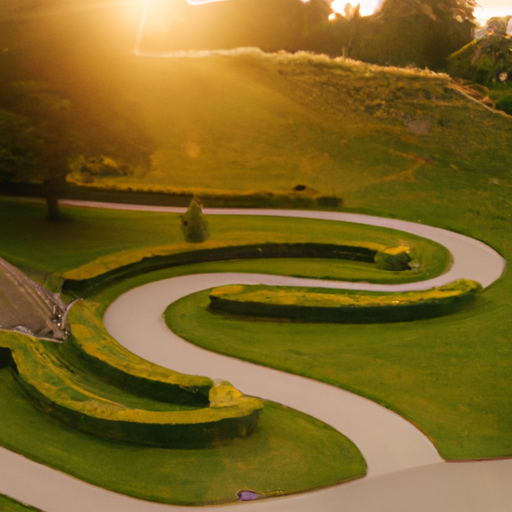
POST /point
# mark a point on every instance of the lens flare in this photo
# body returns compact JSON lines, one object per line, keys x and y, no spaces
{"x":162,"y":19}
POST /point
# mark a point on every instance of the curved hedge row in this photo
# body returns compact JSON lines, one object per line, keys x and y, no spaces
{"x":344,"y":306}
{"x":77,"y":399}
{"x":93,"y":344}
{"x":108,"y":270}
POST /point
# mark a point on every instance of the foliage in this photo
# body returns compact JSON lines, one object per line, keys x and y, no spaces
{"x":22,"y":149}
{"x":50,"y":114}
{"x":486,"y":61}
{"x":94,"y":241}
{"x":459,"y":10}
{"x":505,"y":103}
{"x":84,"y":170}
{"x":193,"y":223}
{"x":301,"y":304}
{"x":68,"y":112}
{"x":403,"y":32}
{"x":285,"y":438}
{"x":415,"y":32}
{"x":494,"y":26}
{"x":394,"y":258}
{"x":74,"y":383}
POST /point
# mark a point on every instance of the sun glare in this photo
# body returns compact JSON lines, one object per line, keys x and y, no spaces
{"x":367,"y":6}
{"x":156,"y":15}
{"x":486,"y":8}
{"x":491,"y":9}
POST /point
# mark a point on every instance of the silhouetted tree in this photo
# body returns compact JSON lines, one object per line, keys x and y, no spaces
{"x":22,"y":150}
{"x":49,"y":115}
{"x":419,"y":32}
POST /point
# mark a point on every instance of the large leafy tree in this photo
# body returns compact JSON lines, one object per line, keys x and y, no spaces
{"x":63,"y":94}
{"x":22,"y":150}
{"x":436,"y":10}
{"x":417,"y":32}
{"x":49,"y":116}
{"x":42,"y":131}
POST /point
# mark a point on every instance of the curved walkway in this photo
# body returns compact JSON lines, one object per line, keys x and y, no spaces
{"x":472,"y":259}
{"x":405,"y":471}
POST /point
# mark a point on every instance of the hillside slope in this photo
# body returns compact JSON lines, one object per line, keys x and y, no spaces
{"x":245,"y":119}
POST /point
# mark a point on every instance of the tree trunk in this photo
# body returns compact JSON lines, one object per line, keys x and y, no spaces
{"x":54,"y":184}
{"x":51,"y":193}
{"x":52,"y":200}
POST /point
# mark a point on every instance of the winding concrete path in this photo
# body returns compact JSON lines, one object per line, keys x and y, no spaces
{"x":405,"y":471}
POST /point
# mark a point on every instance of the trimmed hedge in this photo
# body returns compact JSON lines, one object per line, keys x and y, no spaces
{"x":69,"y":396}
{"x":99,"y":351}
{"x":343,"y":306}
{"x":393,"y":258}
{"x":297,"y":198}
{"x":106,"y":271}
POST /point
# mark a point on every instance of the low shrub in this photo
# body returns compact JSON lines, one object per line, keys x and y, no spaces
{"x":393,"y":258}
{"x":117,"y":365}
{"x":505,"y":104}
{"x":193,"y":224}
{"x":343,"y":306}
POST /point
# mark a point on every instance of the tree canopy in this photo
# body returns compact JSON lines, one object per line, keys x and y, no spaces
{"x":42,"y":130}
{"x":436,"y":10}
{"x":415,"y":32}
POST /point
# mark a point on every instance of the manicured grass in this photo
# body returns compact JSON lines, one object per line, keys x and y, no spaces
{"x":9,"y":505}
{"x":482,"y":439}
{"x":309,"y":121}
{"x":88,"y":234}
{"x":450,"y":375}
{"x":283,"y":439}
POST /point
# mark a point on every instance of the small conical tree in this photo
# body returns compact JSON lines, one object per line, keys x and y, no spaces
{"x":193,"y":223}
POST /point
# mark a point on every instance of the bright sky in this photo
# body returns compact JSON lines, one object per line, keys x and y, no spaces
{"x":487,"y":9}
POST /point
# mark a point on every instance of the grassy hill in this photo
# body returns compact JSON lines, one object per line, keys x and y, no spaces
{"x":247,"y":121}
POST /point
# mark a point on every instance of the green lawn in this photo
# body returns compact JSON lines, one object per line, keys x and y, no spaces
{"x":88,"y":234}
{"x":440,"y":374}
{"x":282,"y":439}
{"x":451,"y":376}
{"x":9,"y":505}
{"x":253,"y":122}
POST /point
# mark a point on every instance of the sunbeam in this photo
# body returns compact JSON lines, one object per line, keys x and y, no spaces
{"x":166,"y":24}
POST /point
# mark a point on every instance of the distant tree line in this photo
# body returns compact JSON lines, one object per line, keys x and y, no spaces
{"x":402,"y":32}
{"x":415,"y":32}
